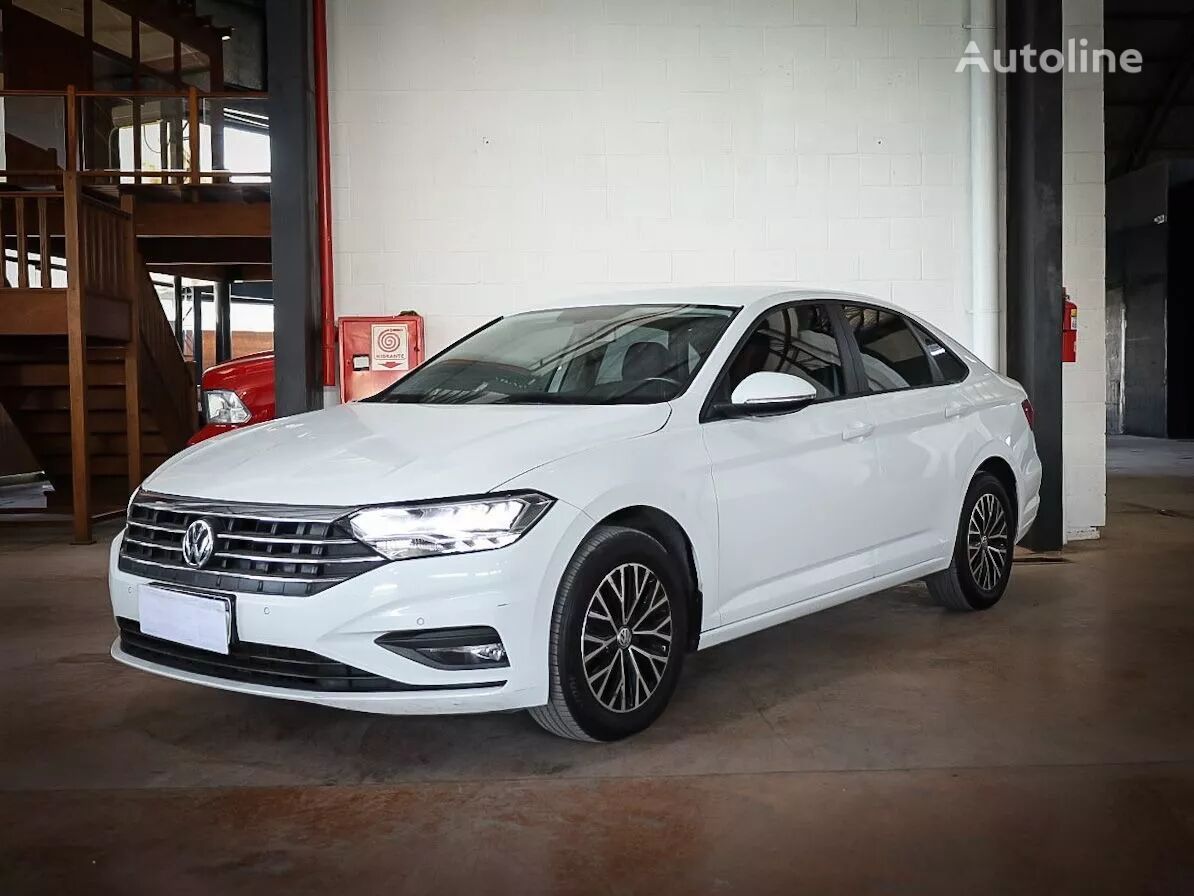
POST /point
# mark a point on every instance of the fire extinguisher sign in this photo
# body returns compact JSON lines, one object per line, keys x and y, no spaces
{"x":390,"y":349}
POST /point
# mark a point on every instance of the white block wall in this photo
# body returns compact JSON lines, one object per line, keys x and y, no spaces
{"x":1084,"y":272}
{"x":490,"y":155}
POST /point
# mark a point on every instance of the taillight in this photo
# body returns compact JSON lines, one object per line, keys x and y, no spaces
{"x":1029,"y":413}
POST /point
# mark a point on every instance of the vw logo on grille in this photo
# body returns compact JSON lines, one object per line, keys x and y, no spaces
{"x":198,"y":543}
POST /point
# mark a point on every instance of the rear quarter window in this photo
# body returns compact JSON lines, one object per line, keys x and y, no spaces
{"x":953,"y":369}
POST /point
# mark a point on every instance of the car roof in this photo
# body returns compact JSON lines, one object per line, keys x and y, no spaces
{"x":747,"y":297}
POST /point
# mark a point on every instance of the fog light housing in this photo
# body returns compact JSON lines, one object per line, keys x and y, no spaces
{"x":478,"y":647}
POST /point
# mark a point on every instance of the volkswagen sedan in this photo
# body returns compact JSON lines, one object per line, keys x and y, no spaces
{"x":555,"y":510}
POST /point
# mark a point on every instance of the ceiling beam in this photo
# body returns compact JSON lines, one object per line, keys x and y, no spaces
{"x":202,"y":219}
{"x":221,"y":250}
{"x":215,"y":273}
{"x":1147,"y":135}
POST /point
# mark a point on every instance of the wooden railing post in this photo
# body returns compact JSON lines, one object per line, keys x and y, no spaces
{"x":72,"y":131}
{"x":43,"y":243}
{"x":3,"y":252}
{"x":132,"y":353}
{"x":137,"y":138}
{"x":22,"y":246}
{"x":76,"y":336}
{"x":193,"y":125}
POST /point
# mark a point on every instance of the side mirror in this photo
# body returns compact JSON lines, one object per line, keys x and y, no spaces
{"x":769,"y":393}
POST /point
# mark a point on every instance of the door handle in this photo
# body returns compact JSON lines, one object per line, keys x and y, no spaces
{"x":856,"y":432}
{"x":955,"y":409}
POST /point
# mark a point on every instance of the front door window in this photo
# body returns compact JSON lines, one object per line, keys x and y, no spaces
{"x":797,"y":340}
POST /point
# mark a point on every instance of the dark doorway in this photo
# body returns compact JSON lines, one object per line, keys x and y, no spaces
{"x":1179,"y":334}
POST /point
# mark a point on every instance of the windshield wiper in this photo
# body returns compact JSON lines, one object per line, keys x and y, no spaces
{"x":395,"y":398}
{"x":541,"y":398}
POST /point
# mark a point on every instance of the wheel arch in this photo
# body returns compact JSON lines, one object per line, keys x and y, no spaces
{"x":663,"y":527}
{"x":998,"y":466}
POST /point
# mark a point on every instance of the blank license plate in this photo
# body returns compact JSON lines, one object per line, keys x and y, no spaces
{"x":191,"y":619}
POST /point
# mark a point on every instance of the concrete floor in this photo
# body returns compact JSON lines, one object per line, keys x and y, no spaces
{"x":881,"y":747}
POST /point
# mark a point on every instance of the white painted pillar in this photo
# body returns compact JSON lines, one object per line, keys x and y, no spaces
{"x":984,"y":189}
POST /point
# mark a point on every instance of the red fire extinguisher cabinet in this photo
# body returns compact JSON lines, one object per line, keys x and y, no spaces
{"x":377,"y":351}
{"x":1069,"y":329}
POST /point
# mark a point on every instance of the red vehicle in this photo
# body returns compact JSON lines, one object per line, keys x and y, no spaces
{"x":237,"y":393}
{"x":374,"y":351}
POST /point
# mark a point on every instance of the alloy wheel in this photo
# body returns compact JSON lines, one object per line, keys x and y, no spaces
{"x":987,"y":547}
{"x":626,"y":637}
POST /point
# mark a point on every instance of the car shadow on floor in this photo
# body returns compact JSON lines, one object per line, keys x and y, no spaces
{"x":728,"y":714}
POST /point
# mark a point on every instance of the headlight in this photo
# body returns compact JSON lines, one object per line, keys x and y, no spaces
{"x":404,"y":531}
{"x":224,"y":406}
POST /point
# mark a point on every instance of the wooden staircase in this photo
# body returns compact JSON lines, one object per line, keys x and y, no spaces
{"x":90,"y":370}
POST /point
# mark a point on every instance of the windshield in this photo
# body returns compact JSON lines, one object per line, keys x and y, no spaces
{"x":612,"y":354}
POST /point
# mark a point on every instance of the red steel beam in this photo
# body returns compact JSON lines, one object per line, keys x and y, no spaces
{"x":324,"y":186}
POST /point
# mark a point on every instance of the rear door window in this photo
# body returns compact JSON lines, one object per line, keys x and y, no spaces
{"x":892,"y":355}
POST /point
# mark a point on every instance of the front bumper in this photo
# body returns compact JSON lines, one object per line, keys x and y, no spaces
{"x":511,"y":589}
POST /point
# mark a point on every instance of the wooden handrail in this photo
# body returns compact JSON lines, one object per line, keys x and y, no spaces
{"x":108,"y":209}
{"x":56,"y":173}
{"x":145,"y":94}
{"x":31,"y":172}
{"x":194,"y":173}
{"x":30,"y":194}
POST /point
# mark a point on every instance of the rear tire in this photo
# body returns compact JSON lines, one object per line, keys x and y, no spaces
{"x":982,"y":559}
{"x":618,"y":633}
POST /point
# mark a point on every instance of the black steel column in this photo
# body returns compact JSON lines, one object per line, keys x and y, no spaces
{"x":197,"y":325}
{"x":223,"y":321}
{"x":1034,"y":287}
{"x":293,"y":206}
{"x":178,"y":311}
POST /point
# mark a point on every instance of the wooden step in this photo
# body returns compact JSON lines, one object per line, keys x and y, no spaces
{"x":99,"y":398}
{"x":27,"y":375}
{"x":42,"y":312}
{"x":54,"y":445}
{"x":105,"y":353}
{"x":39,"y":423}
{"x":101,"y":465}
{"x":57,"y":398}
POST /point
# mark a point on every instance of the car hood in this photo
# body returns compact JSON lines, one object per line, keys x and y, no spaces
{"x":374,"y":453}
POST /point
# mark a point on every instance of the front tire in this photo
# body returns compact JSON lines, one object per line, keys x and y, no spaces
{"x":982,"y":560}
{"x":618,"y":634}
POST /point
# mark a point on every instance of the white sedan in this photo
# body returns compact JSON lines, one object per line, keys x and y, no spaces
{"x":552,"y":512}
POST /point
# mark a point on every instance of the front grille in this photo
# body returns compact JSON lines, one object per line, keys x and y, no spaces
{"x":280,"y":667}
{"x":259,"y":549}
